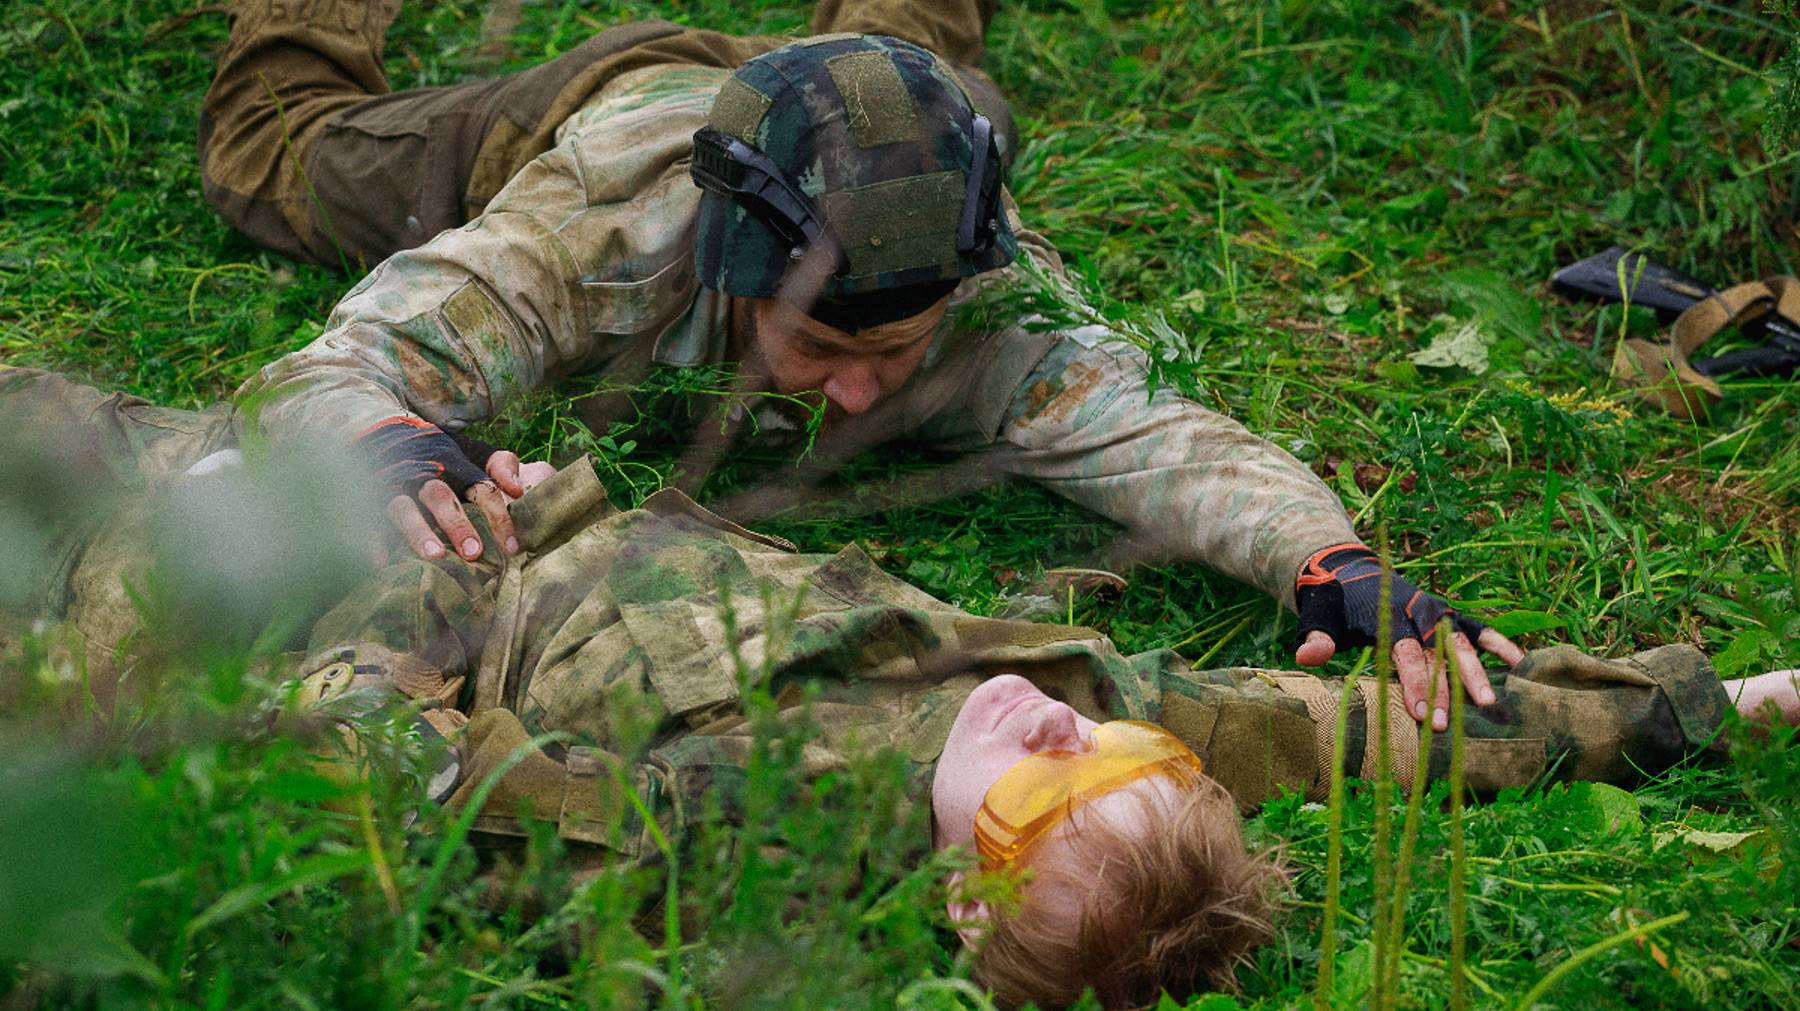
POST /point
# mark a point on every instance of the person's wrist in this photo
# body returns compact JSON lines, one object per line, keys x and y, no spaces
{"x":409,"y":452}
{"x":1313,"y":571}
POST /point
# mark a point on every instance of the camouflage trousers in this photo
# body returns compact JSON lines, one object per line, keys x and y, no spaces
{"x":607,"y":603}
{"x":304,"y":148}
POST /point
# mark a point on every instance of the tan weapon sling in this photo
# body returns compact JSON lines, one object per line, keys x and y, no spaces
{"x":1661,"y":373}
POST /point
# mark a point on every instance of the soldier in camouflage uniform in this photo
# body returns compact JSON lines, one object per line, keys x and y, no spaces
{"x":848,"y":208}
{"x":601,"y":603}
{"x":635,"y":633}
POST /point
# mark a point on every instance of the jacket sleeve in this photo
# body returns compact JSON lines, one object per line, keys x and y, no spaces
{"x":587,"y":249}
{"x":1185,"y":482}
{"x":1078,"y":415}
{"x":1559,"y":713}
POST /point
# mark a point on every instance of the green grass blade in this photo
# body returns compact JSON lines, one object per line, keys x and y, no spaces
{"x":1334,"y":852}
{"x":1589,"y":953}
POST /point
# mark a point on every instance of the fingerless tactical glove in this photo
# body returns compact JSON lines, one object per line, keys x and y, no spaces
{"x":409,"y":452}
{"x":1339,"y":593}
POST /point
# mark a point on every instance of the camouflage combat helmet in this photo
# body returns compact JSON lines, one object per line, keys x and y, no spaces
{"x":861,"y":149}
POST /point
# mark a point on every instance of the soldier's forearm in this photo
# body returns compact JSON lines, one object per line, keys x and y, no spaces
{"x":329,"y":389}
{"x":1189,"y":482}
{"x":1559,"y":711}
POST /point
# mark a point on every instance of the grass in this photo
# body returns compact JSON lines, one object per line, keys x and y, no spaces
{"x":1306,"y":195}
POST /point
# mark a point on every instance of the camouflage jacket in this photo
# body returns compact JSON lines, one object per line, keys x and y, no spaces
{"x":636,"y":633}
{"x":584,"y":262}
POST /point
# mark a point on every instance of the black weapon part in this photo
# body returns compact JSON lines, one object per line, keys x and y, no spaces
{"x":1620,"y":275}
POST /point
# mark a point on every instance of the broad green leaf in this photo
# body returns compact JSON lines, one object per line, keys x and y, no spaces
{"x":1401,"y":373}
{"x":1350,"y":981}
{"x":1461,"y":344}
{"x":1704,"y":846}
{"x":1614,"y":809}
{"x":1429,"y":201}
{"x":1495,"y":299}
{"x":83,"y":944}
{"x":1719,"y":842}
{"x":1749,"y":647}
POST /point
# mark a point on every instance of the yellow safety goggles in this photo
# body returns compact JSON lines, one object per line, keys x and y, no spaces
{"x":1042,"y":789}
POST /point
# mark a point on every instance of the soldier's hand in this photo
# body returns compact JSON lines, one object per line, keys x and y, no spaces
{"x":1338,"y":596}
{"x":434,"y":472}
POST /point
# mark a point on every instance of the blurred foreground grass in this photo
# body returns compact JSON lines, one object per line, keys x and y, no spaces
{"x":1306,"y":195}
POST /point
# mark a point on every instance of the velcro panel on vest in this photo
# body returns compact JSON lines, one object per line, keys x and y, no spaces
{"x":975,"y":634}
{"x":879,"y":107}
{"x":532,"y":788}
{"x":897,"y":225}
{"x":1322,"y":699}
{"x":581,"y":797}
{"x":594,"y":811}
{"x":1249,"y":747}
{"x":1257,"y":748}
{"x":1189,"y":719}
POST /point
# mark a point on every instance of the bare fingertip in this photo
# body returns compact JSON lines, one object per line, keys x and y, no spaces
{"x":512,"y":545}
{"x":1419,"y":710}
{"x":471,"y":547}
{"x":433,"y":549}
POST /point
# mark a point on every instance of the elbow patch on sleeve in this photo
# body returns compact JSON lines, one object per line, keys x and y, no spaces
{"x":475,"y":319}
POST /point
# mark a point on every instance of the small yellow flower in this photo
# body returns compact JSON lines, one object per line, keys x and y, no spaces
{"x":1599,"y":412}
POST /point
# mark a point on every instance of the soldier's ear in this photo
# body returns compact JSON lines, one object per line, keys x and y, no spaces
{"x":971,"y":917}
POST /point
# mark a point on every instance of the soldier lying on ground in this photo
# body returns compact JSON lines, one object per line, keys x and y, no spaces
{"x":820,"y":215}
{"x":611,"y":619}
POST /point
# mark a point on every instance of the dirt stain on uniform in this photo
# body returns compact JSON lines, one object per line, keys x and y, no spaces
{"x":1059,"y":399}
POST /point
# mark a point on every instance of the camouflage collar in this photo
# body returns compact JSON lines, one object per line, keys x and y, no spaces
{"x":702,"y":337}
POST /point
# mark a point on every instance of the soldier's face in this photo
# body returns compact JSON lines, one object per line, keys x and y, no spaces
{"x":853,"y":371}
{"x":1003,"y":721}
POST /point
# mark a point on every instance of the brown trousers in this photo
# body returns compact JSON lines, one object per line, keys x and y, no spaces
{"x":304,"y":149}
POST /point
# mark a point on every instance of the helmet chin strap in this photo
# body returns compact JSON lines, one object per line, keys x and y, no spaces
{"x":978,"y":197}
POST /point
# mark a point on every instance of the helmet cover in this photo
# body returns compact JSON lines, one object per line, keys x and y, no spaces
{"x":847,"y":166}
